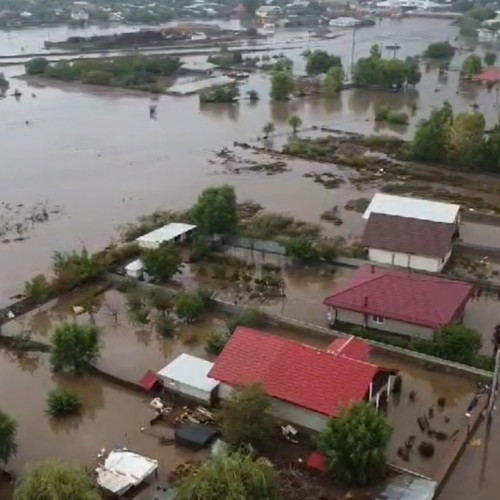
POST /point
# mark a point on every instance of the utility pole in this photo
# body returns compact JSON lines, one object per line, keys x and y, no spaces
{"x":352,"y":50}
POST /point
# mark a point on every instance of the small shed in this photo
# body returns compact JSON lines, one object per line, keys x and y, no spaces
{"x":195,"y":436}
{"x":123,"y":470}
{"x":175,"y":232}
{"x":188,"y":375}
{"x":135,"y":269}
{"x":150,"y":381}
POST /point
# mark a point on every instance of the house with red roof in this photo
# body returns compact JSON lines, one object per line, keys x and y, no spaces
{"x":398,"y":301}
{"x":307,"y":385}
{"x":410,"y":232}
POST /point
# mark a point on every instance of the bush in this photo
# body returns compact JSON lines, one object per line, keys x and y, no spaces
{"x":74,"y":347}
{"x":189,"y":307}
{"x":381,"y":113}
{"x":216,"y":340}
{"x":163,"y":262}
{"x":439,"y":50}
{"x":62,"y":403}
{"x":74,"y":268}
{"x":249,"y":318}
{"x":36,"y":66}
{"x":301,"y":249}
{"x":21,"y":341}
{"x":38,"y":289}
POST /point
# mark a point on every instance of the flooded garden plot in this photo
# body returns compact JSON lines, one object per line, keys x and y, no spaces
{"x":111,"y":417}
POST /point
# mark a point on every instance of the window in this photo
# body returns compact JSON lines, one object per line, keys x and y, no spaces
{"x":378,"y":319}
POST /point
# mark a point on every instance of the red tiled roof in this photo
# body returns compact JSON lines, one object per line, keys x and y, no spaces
{"x":408,"y":235}
{"x":403,"y":296}
{"x":149,"y":380}
{"x":298,"y":374}
{"x":351,"y":347}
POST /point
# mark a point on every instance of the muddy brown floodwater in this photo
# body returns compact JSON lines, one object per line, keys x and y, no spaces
{"x":98,"y":156}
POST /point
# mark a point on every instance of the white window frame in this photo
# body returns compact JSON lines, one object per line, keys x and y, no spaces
{"x":378,"y":319}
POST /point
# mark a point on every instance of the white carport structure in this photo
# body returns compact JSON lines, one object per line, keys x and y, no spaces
{"x":173,"y":232}
{"x":188,"y":375}
{"x":123,"y":470}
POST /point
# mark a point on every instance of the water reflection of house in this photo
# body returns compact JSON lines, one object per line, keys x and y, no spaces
{"x":398,"y":301}
{"x":307,"y":385}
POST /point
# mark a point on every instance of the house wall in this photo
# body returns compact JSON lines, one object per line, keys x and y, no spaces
{"x":389,"y":325}
{"x":430,"y":264}
{"x":286,"y":411}
{"x":187,"y":390}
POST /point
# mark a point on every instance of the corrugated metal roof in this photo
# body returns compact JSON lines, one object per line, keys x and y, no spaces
{"x":166,"y":233}
{"x":407,"y":487}
{"x":412,"y":207}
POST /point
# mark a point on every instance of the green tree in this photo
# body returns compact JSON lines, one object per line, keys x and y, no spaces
{"x":457,"y":343}
{"x":245,"y":418}
{"x":468,"y":25}
{"x":51,"y":480}
{"x":465,"y":141}
{"x":62,"y":403}
{"x":97,"y":77}
{"x":251,"y":6}
{"x":282,"y":85}
{"x":38,"y":289}
{"x":189,"y":307}
{"x":490,"y":58}
{"x":163,"y":262}
{"x":430,"y":142}
{"x":320,"y":61}
{"x":439,"y":50}
{"x":267,"y":129}
{"x":355,"y":444}
{"x":471,"y":66}
{"x":74,"y":347}
{"x":215,"y":212}
{"x":36,"y":66}
{"x":333,"y":81}
{"x":481,"y":13}
{"x":229,"y":477}
{"x":8,"y":433}
{"x":295,"y":123}
{"x":75,"y":268}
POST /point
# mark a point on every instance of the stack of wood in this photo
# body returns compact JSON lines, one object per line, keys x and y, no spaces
{"x":184,"y":414}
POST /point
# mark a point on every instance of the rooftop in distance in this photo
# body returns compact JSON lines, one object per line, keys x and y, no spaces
{"x":413,"y":208}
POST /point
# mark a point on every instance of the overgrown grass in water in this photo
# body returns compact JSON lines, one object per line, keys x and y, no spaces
{"x":273,"y":226}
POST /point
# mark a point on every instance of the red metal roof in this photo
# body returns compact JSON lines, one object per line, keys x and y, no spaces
{"x":408,"y":235}
{"x":351,"y":347}
{"x":403,"y":296}
{"x":149,"y":380}
{"x":301,"y":375}
{"x":489,"y":75}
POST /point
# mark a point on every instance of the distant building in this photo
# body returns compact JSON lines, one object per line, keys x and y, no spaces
{"x":268,"y":12}
{"x":307,"y":385}
{"x":410,"y":232}
{"x":79,"y":15}
{"x":398,"y":301}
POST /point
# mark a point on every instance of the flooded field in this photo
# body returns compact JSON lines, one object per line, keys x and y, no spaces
{"x":97,"y":156}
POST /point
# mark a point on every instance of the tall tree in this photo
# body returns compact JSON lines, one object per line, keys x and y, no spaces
{"x":163,"y":262}
{"x":55,"y":481}
{"x":8,"y":432}
{"x":282,"y":85}
{"x":74,"y":347}
{"x":471,"y":66}
{"x":490,"y":58}
{"x":465,"y":140}
{"x":245,"y":419}
{"x":431,"y":139}
{"x":215,"y":212}
{"x":333,"y":81}
{"x":320,"y":61}
{"x":355,"y":444}
{"x":295,"y":122}
{"x":230,"y":477}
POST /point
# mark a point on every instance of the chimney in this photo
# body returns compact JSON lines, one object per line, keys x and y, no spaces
{"x":366,"y":300}
{"x":373,"y":269}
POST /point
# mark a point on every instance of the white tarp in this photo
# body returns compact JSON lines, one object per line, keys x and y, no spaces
{"x":123,"y":470}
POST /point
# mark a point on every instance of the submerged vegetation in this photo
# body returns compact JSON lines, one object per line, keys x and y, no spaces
{"x":137,"y":72}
